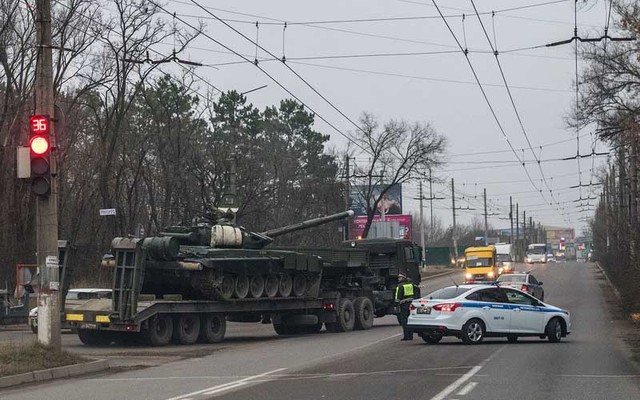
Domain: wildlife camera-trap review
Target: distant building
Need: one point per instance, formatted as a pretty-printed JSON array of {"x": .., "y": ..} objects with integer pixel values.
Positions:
[{"x": 559, "y": 237}]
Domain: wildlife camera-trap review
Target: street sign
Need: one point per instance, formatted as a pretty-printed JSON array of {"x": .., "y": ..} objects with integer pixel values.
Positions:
[{"x": 107, "y": 211}]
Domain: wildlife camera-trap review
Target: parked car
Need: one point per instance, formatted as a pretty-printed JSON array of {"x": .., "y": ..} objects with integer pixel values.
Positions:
[
  {"x": 473, "y": 312},
  {"x": 525, "y": 282},
  {"x": 72, "y": 294}
]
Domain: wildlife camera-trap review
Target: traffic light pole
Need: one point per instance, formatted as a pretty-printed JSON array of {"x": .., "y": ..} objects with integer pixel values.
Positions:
[{"x": 46, "y": 206}]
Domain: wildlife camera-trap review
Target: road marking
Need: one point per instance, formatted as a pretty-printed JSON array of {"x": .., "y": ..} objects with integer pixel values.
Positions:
[
  {"x": 467, "y": 388},
  {"x": 599, "y": 376},
  {"x": 226, "y": 386},
  {"x": 453, "y": 386}
]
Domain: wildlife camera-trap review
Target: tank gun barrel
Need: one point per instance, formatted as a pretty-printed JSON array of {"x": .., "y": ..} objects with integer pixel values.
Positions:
[{"x": 307, "y": 224}]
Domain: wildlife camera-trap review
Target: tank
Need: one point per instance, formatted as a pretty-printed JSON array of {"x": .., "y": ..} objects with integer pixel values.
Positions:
[{"x": 223, "y": 261}]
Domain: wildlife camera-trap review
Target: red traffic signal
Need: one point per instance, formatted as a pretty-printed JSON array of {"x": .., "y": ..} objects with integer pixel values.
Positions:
[{"x": 39, "y": 136}]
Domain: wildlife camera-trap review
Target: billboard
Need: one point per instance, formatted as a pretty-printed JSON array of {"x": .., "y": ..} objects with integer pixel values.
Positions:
[
  {"x": 392, "y": 201},
  {"x": 358, "y": 223}
]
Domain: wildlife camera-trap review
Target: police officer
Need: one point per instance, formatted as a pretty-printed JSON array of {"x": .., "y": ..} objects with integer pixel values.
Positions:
[{"x": 406, "y": 291}]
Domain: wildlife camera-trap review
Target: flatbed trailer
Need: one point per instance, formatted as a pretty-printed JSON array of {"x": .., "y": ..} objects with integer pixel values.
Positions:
[{"x": 161, "y": 320}]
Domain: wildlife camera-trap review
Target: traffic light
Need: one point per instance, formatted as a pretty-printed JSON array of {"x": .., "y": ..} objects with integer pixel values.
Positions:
[{"x": 40, "y": 150}]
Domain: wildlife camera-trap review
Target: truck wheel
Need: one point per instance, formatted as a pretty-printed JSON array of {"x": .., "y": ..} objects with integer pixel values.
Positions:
[
  {"x": 256, "y": 286},
  {"x": 213, "y": 328},
  {"x": 271, "y": 285},
  {"x": 95, "y": 338},
  {"x": 160, "y": 330},
  {"x": 364, "y": 313},
  {"x": 299, "y": 285},
  {"x": 227, "y": 287},
  {"x": 186, "y": 329},
  {"x": 242, "y": 286},
  {"x": 345, "y": 318},
  {"x": 286, "y": 285}
]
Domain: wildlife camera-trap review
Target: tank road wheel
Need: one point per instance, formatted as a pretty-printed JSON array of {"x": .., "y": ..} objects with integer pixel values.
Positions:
[
  {"x": 213, "y": 328},
  {"x": 256, "y": 286},
  {"x": 271, "y": 285},
  {"x": 364, "y": 313},
  {"x": 285, "y": 286},
  {"x": 186, "y": 329},
  {"x": 160, "y": 330},
  {"x": 242, "y": 286},
  {"x": 299, "y": 285},
  {"x": 227, "y": 286},
  {"x": 345, "y": 317}
]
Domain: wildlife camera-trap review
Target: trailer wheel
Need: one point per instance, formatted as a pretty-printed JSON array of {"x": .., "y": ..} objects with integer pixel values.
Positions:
[
  {"x": 345, "y": 318},
  {"x": 160, "y": 330},
  {"x": 242, "y": 286},
  {"x": 95, "y": 338},
  {"x": 186, "y": 329},
  {"x": 299, "y": 285},
  {"x": 213, "y": 328},
  {"x": 271, "y": 285},
  {"x": 364, "y": 313},
  {"x": 283, "y": 329},
  {"x": 286, "y": 285},
  {"x": 256, "y": 286}
]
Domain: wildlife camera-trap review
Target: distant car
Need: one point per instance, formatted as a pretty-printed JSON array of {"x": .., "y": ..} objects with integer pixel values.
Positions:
[
  {"x": 551, "y": 258},
  {"x": 72, "y": 294},
  {"x": 525, "y": 282},
  {"x": 473, "y": 312}
]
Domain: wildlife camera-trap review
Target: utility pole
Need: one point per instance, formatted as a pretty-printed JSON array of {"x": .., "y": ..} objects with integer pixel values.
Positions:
[
  {"x": 454, "y": 232},
  {"x": 431, "y": 205},
  {"x": 518, "y": 230},
  {"x": 531, "y": 230},
  {"x": 486, "y": 224},
  {"x": 47, "y": 206},
  {"x": 347, "y": 197},
  {"x": 422, "y": 229},
  {"x": 511, "y": 219},
  {"x": 524, "y": 228}
]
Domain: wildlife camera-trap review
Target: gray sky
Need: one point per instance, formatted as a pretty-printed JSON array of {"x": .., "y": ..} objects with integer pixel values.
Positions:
[{"x": 435, "y": 88}]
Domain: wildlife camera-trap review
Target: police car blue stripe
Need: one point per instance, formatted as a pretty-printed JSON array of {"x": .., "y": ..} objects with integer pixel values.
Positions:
[{"x": 509, "y": 306}]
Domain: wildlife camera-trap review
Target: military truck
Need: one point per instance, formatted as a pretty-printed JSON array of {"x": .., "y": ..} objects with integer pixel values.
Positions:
[{"x": 186, "y": 283}]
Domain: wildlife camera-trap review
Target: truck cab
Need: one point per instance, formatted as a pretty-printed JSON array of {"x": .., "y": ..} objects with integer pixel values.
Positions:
[{"x": 481, "y": 264}]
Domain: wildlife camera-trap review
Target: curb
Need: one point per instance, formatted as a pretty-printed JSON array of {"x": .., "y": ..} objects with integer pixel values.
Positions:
[
  {"x": 615, "y": 290},
  {"x": 66, "y": 371}
]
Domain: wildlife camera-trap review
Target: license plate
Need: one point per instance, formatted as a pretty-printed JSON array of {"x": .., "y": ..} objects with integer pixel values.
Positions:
[
  {"x": 88, "y": 326},
  {"x": 423, "y": 310}
]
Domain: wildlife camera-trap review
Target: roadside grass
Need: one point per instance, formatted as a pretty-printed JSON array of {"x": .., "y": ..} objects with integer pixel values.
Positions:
[{"x": 19, "y": 359}]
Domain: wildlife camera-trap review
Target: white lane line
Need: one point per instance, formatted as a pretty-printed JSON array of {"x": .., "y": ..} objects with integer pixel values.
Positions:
[
  {"x": 226, "y": 386},
  {"x": 598, "y": 376},
  {"x": 465, "y": 390},
  {"x": 453, "y": 386}
]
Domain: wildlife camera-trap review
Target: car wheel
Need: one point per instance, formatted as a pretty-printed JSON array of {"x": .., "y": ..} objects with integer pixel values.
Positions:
[
  {"x": 512, "y": 338},
  {"x": 473, "y": 331},
  {"x": 554, "y": 330},
  {"x": 432, "y": 338}
]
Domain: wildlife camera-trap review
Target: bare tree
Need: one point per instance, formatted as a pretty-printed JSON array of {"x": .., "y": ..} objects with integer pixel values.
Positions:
[{"x": 398, "y": 152}]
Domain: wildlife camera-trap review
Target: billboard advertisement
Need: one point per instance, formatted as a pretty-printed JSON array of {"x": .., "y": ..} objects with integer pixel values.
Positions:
[
  {"x": 358, "y": 223},
  {"x": 391, "y": 202}
]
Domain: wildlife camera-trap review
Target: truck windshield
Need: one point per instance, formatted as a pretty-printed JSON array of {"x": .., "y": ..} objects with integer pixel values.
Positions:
[
  {"x": 479, "y": 262},
  {"x": 504, "y": 257}
]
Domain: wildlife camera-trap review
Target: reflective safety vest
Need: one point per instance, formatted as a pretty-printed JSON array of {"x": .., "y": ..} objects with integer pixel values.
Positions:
[{"x": 407, "y": 289}]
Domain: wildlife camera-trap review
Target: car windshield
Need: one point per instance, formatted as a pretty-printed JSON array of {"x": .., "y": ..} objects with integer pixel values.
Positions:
[
  {"x": 504, "y": 257},
  {"x": 537, "y": 250},
  {"x": 473, "y": 262},
  {"x": 512, "y": 278},
  {"x": 447, "y": 293},
  {"x": 73, "y": 295}
]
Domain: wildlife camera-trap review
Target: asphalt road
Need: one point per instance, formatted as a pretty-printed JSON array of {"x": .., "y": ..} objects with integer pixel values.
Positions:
[{"x": 592, "y": 363}]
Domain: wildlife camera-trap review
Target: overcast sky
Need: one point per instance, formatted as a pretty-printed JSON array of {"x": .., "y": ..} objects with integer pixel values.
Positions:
[{"x": 436, "y": 88}]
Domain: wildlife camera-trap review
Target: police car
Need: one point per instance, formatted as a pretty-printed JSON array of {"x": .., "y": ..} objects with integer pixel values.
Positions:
[{"x": 473, "y": 312}]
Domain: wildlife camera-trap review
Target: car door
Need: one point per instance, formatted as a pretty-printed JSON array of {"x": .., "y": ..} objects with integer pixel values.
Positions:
[
  {"x": 526, "y": 316},
  {"x": 535, "y": 285},
  {"x": 494, "y": 305}
]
